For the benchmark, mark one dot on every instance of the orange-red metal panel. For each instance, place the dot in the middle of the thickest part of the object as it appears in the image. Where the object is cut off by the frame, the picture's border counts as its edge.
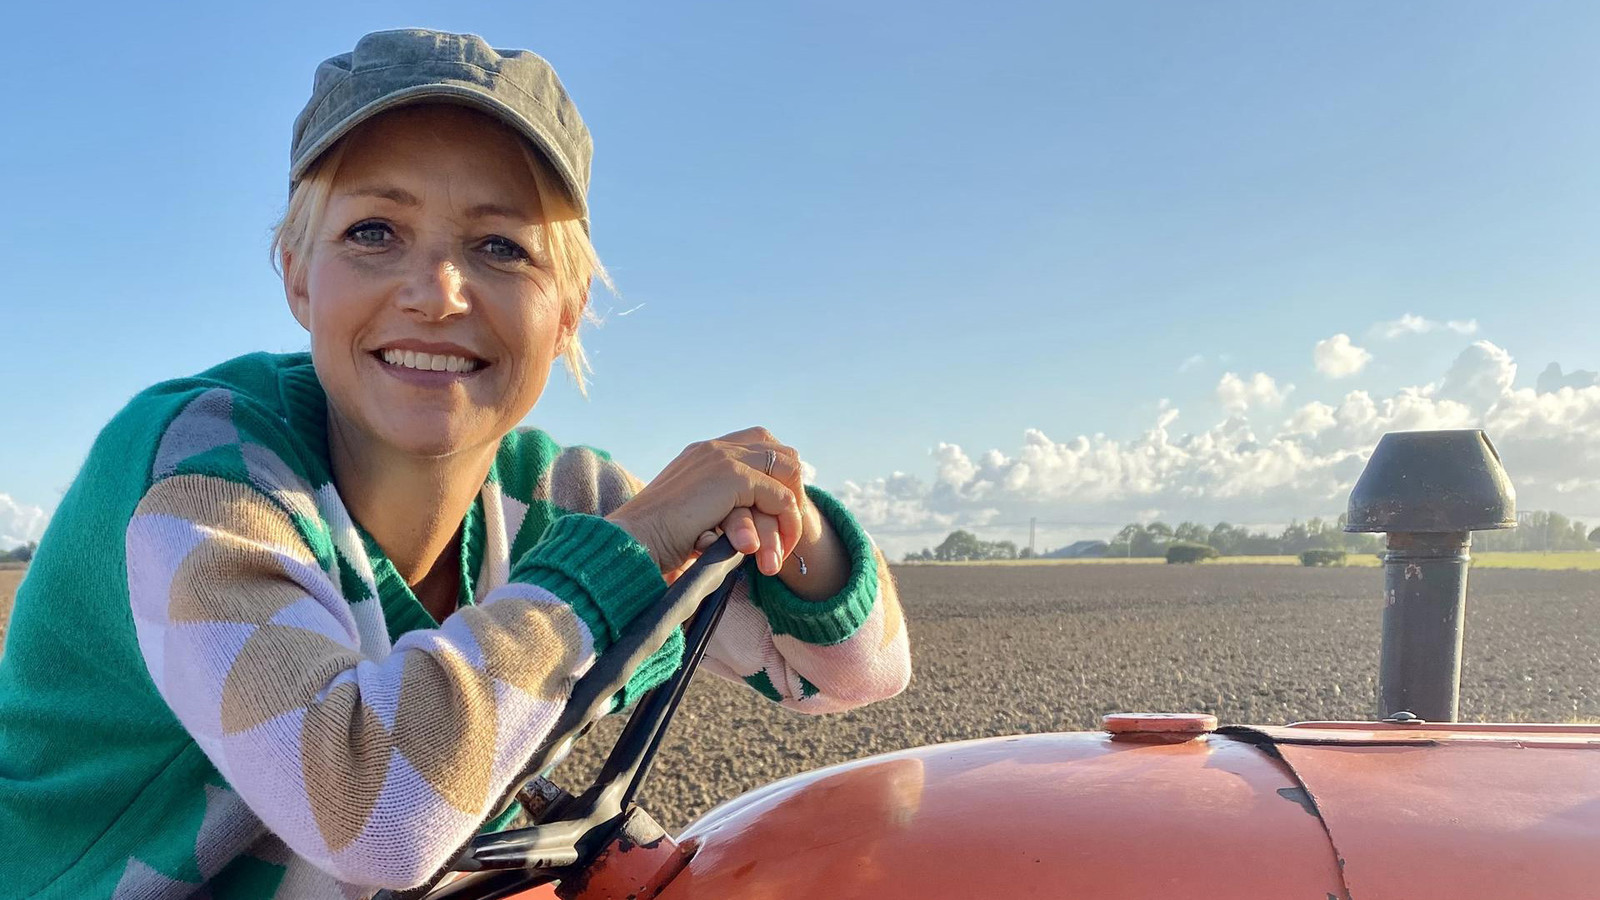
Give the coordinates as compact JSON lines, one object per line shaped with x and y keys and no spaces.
{"x":543,"y":892}
{"x":1444,"y":812}
{"x":1059,"y":815}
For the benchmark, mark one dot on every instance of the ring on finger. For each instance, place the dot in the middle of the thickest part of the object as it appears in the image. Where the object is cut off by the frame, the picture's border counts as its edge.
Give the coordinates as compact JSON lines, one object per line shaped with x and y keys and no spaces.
{"x":772,"y":460}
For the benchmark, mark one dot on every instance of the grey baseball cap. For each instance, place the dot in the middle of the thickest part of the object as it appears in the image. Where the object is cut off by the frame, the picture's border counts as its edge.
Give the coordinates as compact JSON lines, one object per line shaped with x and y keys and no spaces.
{"x":388,"y":69}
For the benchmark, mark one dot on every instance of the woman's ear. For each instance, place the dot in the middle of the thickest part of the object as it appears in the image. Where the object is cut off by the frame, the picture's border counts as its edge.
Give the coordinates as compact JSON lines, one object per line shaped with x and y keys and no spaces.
{"x":294,"y":290}
{"x":571,"y":318}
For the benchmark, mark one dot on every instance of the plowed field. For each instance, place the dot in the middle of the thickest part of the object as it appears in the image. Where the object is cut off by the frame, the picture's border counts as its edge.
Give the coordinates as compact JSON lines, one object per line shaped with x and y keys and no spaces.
{"x":1011,"y":649}
{"x":1004,"y":650}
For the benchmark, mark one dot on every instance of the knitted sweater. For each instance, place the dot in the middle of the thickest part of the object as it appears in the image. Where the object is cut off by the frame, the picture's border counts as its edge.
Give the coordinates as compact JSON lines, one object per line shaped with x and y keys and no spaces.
{"x":215,"y":681}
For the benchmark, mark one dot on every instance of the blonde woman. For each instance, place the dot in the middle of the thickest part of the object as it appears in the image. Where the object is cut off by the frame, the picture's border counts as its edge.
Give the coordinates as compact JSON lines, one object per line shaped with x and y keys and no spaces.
{"x":302,"y":617}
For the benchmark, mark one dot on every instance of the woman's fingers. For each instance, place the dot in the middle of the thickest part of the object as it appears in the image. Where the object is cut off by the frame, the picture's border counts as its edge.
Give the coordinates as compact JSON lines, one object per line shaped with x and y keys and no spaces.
{"x":755,"y":534}
{"x":747,"y":485}
{"x":770,"y":558}
{"x":768,"y":495}
{"x":773,"y":462}
{"x":740,"y":527}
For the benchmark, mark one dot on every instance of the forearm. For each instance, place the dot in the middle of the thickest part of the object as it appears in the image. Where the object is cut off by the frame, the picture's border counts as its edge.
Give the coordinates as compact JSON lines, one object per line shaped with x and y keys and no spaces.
{"x":819,"y":565}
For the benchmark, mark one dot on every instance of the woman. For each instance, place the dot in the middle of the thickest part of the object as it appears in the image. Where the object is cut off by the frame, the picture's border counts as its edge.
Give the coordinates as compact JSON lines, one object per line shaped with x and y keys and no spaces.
{"x":301,"y":618}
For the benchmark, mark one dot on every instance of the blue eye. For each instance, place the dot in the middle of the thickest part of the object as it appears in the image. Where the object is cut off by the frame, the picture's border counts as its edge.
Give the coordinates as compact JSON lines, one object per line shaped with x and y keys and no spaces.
{"x":503,"y":250}
{"x":369,"y":233}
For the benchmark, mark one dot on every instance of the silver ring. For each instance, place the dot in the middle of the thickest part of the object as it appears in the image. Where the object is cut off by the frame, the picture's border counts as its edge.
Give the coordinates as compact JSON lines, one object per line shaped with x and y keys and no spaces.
{"x":772,"y":460}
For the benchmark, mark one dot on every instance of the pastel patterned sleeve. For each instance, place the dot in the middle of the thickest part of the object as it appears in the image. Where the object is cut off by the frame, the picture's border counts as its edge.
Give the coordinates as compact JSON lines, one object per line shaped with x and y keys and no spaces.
{"x":809,"y":656}
{"x":259,"y":623}
{"x":818,"y":656}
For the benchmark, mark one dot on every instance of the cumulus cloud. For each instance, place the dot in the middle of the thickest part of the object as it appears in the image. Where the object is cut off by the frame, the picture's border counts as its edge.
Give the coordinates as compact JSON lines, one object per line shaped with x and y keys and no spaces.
{"x":1336,"y":357}
{"x":1239,"y":394}
{"x":1411,"y":324}
{"x":1255,"y":465}
{"x":19,"y":522}
{"x":1479,"y":376}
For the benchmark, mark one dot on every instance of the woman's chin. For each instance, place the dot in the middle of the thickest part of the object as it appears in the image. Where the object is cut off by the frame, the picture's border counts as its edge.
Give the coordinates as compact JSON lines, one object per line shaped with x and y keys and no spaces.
{"x":433,"y":436}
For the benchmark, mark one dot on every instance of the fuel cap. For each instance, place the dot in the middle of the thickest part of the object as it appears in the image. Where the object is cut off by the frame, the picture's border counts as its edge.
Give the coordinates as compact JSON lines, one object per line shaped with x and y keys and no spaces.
{"x":1171,"y":727}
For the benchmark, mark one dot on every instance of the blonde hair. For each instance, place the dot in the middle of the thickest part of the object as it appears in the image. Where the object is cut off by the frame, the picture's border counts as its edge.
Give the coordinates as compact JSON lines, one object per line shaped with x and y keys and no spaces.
{"x":564,"y":233}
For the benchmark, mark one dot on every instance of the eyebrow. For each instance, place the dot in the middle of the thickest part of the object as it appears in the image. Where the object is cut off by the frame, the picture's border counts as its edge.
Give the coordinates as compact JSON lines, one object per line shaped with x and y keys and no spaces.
{"x":406,"y":198}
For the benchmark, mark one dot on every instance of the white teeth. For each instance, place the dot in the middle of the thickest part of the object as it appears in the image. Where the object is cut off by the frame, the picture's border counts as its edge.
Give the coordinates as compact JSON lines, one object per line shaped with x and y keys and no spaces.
{"x":429,"y":362}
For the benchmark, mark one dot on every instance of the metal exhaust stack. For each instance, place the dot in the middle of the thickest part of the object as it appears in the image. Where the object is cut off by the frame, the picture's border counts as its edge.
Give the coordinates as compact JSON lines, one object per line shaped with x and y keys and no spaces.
{"x":1428,"y":490}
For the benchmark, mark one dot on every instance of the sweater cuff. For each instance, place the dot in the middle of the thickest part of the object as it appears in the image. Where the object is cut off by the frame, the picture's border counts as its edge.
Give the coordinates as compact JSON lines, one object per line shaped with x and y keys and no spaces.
{"x":598,"y":568}
{"x":835,"y":619}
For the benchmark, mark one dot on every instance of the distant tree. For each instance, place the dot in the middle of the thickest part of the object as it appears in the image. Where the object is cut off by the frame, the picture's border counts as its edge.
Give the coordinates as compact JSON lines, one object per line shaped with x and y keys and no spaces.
{"x":1226,"y":538}
{"x":1594,"y":536}
{"x":959,"y":545}
{"x":1001,"y":550}
{"x":1025,"y":553}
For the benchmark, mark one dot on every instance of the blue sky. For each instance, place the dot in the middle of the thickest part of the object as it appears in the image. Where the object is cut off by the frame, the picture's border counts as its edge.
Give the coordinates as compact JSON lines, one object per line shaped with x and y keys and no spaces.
{"x":886,"y":230}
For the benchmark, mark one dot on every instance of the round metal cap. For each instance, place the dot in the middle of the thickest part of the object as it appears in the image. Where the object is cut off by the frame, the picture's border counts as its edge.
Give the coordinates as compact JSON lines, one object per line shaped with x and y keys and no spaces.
{"x":1193,"y":724}
{"x":1433,"y":481}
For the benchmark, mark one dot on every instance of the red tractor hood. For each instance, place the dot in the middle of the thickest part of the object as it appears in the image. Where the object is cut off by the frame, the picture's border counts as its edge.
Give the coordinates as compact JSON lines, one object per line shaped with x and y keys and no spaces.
{"x":1327,"y":810}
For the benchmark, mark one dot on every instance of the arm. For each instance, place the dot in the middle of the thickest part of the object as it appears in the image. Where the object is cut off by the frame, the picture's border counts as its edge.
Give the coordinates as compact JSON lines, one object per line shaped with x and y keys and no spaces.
{"x":829,"y":640}
{"x":374,"y":763}
{"x":818,"y":655}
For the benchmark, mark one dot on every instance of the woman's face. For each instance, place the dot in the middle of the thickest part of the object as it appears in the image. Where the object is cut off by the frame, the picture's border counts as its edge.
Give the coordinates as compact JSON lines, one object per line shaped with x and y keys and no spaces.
{"x":429,"y":293}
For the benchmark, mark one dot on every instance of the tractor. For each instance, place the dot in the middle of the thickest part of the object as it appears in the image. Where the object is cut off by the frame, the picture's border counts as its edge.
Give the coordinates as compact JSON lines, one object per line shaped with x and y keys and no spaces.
{"x":1410,"y":806}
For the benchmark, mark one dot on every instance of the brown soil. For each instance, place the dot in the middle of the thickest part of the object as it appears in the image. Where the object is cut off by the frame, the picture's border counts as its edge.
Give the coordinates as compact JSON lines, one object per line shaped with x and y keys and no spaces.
{"x":9,"y":579}
{"x":1006,"y":650}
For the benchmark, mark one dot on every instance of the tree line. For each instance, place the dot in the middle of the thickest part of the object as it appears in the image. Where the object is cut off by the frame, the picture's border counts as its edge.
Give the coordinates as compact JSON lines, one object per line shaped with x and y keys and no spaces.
{"x":1536,"y":531}
{"x":1137,"y":539}
{"x":19,"y":554}
{"x":1540,"y":532}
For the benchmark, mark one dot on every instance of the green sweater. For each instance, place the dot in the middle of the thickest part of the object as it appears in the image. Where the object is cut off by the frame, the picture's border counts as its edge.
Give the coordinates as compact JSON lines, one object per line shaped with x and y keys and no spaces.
{"x":214,"y":679}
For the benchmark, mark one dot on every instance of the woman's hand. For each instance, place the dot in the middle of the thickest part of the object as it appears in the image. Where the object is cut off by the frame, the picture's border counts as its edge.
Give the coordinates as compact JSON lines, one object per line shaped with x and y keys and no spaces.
{"x":723,"y":485}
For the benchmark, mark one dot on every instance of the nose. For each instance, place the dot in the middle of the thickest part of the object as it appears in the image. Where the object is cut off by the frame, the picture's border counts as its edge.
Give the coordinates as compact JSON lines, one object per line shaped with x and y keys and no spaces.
{"x":435,"y":289}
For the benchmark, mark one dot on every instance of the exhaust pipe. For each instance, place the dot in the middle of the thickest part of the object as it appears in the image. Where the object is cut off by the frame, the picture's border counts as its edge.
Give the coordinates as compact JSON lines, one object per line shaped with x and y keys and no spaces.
{"x":1428,"y":491}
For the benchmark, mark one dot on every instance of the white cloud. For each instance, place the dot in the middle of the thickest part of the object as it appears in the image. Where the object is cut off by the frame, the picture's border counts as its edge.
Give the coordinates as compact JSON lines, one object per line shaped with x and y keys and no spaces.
{"x":19,"y":522}
{"x":898,"y":501}
{"x":1311,"y":419}
{"x":1192,"y":362}
{"x":1336,"y":357}
{"x":1479,"y":376}
{"x":1252,"y":466}
{"x":1238,"y":394}
{"x":1412,"y":324}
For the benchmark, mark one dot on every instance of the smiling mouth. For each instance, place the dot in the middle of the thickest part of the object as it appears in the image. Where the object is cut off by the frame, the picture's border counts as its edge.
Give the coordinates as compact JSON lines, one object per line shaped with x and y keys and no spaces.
{"x":428,"y":362}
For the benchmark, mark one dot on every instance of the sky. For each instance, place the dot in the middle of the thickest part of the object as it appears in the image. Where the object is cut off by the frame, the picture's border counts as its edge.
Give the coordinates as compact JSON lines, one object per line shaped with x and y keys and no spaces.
{"x":1079,"y":263}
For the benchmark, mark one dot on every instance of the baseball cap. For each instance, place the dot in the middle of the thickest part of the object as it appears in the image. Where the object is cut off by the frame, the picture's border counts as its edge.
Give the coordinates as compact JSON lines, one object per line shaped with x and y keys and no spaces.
{"x":388,"y":69}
